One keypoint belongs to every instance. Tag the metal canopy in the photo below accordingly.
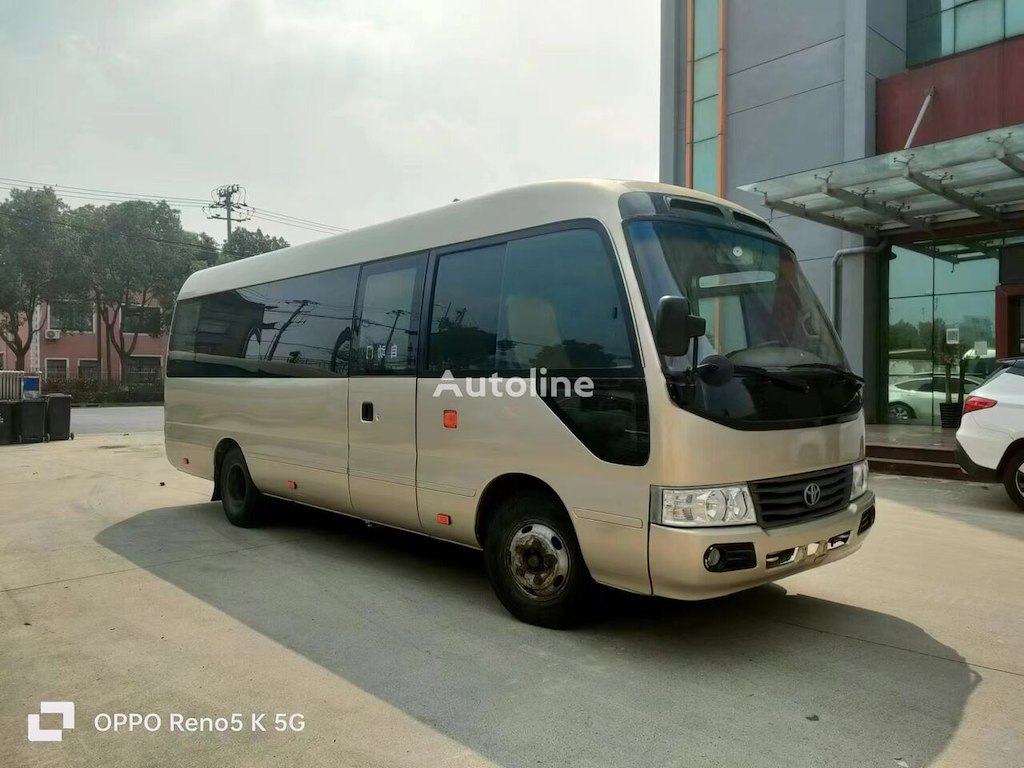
(918, 191)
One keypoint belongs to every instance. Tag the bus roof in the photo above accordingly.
(492, 214)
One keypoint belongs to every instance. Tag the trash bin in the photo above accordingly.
(58, 417)
(7, 421)
(30, 421)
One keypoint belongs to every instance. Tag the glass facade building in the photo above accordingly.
(937, 28)
(941, 324)
(883, 140)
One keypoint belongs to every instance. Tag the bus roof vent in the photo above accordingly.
(751, 221)
(694, 206)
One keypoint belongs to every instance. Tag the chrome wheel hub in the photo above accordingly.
(538, 561)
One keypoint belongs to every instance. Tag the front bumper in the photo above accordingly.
(676, 555)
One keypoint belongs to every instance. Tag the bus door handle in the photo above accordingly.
(367, 413)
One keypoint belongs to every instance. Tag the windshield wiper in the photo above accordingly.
(849, 375)
(776, 378)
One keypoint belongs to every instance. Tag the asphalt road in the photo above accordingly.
(117, 419)
(123, 590)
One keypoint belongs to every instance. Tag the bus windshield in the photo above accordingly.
(761, 313)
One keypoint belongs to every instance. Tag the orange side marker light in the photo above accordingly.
(451, 420)
(444, 519)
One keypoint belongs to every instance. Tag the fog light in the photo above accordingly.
(737, 556)
(712, 557)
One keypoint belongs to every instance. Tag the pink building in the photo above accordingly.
(65, 348)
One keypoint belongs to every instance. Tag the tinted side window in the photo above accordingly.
(561, 307)
(387, 326)
(464, 315)
(229, 331)
(183, 331)
(307, 324)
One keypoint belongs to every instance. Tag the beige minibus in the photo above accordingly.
(592, 381)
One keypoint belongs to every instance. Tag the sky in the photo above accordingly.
(344, 112)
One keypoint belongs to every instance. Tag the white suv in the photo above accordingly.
(990, 441)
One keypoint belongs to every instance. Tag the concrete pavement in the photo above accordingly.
(126, 595)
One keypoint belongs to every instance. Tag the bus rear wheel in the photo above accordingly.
(240, 498)
(534, 562)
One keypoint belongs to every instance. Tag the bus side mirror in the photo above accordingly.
(674, 326)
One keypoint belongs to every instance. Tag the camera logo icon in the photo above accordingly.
(66, 709)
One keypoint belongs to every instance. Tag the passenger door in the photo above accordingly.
(382, 392)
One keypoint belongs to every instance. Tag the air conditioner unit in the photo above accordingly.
(52, 334)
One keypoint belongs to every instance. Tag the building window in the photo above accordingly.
(74, 316)
(142, 370)
(937, 28)
(88, 369)
(140, 320)
(704, 64)
(56, 369)
(705, 165)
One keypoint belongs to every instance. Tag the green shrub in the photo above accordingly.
(91, 391)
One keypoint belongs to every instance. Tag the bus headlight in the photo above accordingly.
(860, 479)
(689, 507)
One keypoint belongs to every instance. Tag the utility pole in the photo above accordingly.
(225, 199)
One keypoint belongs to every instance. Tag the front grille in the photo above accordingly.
(782, 501)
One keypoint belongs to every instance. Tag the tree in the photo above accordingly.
(138, 253)
(37, 263)
(242, 244)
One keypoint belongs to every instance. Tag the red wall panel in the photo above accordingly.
(974, 91)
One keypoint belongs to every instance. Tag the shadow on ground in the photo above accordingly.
(761, 678)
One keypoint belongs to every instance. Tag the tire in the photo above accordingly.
(1013, 480)
(240, 497)
(901, 412)
(534, 562)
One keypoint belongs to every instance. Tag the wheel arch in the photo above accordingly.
(225, 445)
(1011, 449)
(503, 487)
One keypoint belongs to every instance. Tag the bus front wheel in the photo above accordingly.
(534, 562)
(239, 495)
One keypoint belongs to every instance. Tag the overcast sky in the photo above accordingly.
(341, 111)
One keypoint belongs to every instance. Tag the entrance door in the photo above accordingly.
(382, 392)
(1009, 321)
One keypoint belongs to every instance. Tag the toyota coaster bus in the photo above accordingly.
(621, 382)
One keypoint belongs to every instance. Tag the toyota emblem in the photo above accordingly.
(812, 494)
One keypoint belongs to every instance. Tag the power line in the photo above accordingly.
(86, 228)
(285, 222)
(264, 211)
(128, 195)
(111, 196)
(103, 198)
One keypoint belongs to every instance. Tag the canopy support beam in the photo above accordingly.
(795, 209)
(1010, 160)
(945, 191)
(860, 200)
